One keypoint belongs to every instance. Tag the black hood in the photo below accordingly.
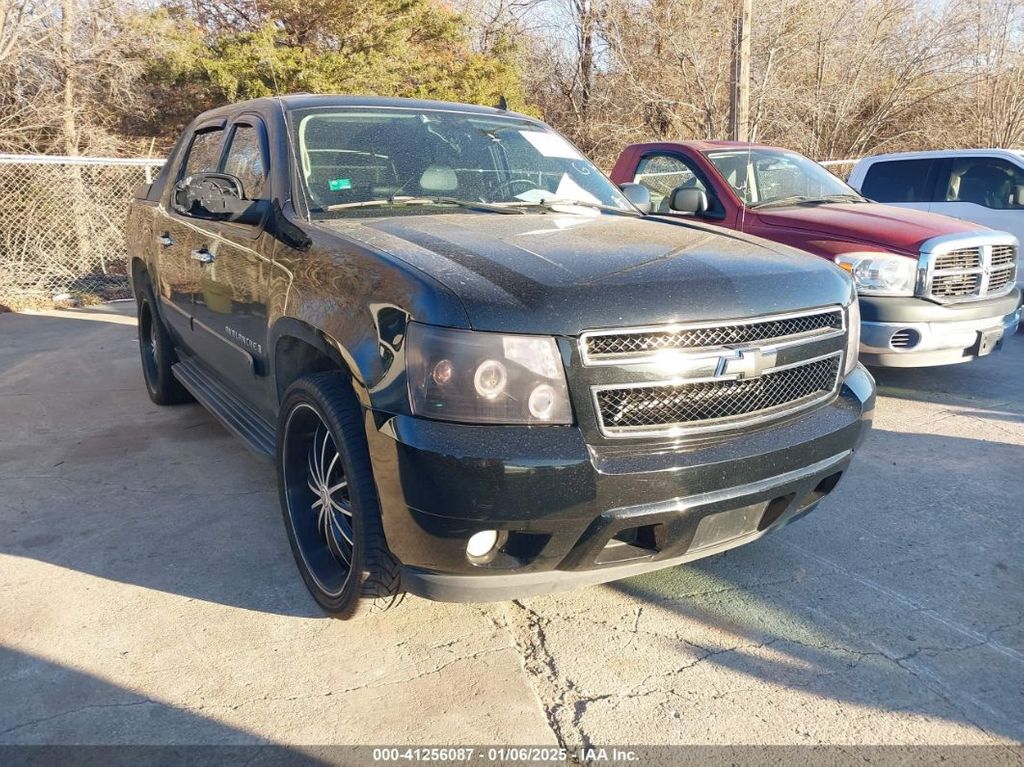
(562, 274)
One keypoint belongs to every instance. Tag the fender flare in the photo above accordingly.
(289, 327)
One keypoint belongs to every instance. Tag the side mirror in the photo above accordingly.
(638, 194)
(1018, 196)
(688, 200)
(217, 196)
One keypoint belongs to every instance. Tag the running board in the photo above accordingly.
(237, 417)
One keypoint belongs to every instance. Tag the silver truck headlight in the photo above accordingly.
(880, 274)
(475, 377)
(852, 336)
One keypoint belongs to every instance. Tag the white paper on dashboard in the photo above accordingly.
(551, 144)
(570, 190)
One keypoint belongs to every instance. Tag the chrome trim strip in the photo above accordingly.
(699, 352)
(717, 424)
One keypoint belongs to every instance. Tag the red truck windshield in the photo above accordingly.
(776, 177)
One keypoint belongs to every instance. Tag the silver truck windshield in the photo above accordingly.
(764, 177)
(364, 161)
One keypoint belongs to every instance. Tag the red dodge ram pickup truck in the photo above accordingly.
(934, 290)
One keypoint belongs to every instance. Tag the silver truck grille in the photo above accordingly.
(952, 274)
(616, 347)
(682, 405)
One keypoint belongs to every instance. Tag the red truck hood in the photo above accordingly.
(899, 229)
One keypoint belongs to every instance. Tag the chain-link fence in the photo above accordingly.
(62, 225)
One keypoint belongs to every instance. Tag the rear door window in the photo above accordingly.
(900, 181)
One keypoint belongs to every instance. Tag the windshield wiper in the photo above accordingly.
(798, 199)
(408, 200)
(477, 205)
(549, 204)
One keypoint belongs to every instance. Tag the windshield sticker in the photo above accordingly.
(551, 144)
(338, 184)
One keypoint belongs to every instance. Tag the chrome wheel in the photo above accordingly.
(318, 501)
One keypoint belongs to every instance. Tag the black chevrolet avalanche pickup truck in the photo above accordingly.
(480, 370)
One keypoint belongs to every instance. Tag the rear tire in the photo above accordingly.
(157, 351)
(329, 500)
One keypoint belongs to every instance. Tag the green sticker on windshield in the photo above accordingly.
(337, 184)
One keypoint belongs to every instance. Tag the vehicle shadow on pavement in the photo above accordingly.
(46, 703)
(901, 592)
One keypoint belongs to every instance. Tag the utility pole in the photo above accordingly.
(739, 103)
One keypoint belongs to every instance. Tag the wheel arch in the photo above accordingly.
(137, 268)
(298, 348)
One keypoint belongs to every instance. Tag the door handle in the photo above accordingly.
(203, 256)
(165, 239)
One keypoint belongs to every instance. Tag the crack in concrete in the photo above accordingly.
(73, 711)
(559, 697)
(907, 602)
(356, 688)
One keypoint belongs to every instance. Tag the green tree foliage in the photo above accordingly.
(203, 56)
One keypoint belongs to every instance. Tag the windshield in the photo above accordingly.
(364, 161)
(769, 176)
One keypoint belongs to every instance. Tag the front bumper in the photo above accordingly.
(911, 332)
(572, 514)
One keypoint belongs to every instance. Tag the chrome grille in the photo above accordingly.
(1003, 255)
(1003, 268)
(969, 273)
(964, 258)
(635, 345)
(700, 404)
(956, 285)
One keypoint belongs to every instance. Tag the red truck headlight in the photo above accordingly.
(880, 274)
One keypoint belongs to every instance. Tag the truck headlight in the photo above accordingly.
(852, 336)
(880, 274)
(475, 377)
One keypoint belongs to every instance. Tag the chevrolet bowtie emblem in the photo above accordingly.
(745, 363)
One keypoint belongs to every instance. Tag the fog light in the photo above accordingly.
(480, 544)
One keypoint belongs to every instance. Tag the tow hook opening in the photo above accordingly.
(774, 510)
(820, 490)
(638, 542)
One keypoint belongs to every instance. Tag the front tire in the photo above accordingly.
(329, 500)
(157, 352)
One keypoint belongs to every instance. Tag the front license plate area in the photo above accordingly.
(716, 529)
(988, 341)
